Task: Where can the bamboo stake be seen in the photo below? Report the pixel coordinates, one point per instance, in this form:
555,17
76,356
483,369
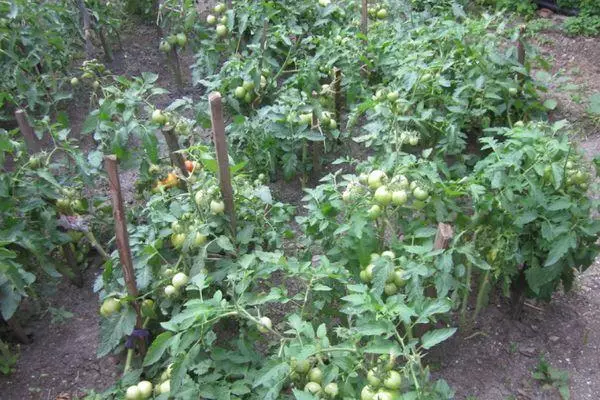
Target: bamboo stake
364,18
32,142
337,89
89,48
176,157
316,152
216,109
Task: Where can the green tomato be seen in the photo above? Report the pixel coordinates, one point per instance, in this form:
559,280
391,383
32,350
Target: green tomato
512,91
316,375
332,124
382,13
376,178
302,366
223,20
217,207
390,289
399,279
164,46
132,393
413,140
170,291
181,39
383,395
199,239
331,389
312,387
263,82
373,378
369,271
367,393
248,86
420,194
110,306
145,389
265,324
389,254
393,96
399,197
172,40
179,280
147,308
219,8
305,119
96,85
248,98
364,276
74,82
374,212
239,92
177,240
211,19
221,30
165,387
158,117
393,380
383,196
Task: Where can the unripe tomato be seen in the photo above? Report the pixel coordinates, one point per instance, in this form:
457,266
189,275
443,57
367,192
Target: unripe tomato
420,194
96,85
263,82
413,140
389,254
393,96
374,212
217,207
165,387
302,366
512,91
312,387
265,325
248,86
239,92
399,197
179,280
399,279
181,39
147,308
383,196
367,393
373,378
164,46
248,98
211,19
363,178
383,395
331,389
376,178
324,3
219,8
221,30
199,197
145,389
170,291
110,306
132,393
382,13
177,240
332,124
315,375
199,239
393,380
390,289
158,117
74,82
305,119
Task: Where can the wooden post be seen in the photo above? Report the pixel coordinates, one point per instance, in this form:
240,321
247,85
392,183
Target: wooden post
176,157
85,17
364,18
216,111
337,90
521,46
443,236
105,45
112,169
176,66
316,152
32,142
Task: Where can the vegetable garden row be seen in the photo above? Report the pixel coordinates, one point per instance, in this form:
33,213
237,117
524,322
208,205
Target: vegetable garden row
438,179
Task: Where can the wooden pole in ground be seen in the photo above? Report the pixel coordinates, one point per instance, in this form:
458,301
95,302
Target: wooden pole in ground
364,18
216,111
85,17
176,157
176,66
112,169
317,147
521,46
337,90
32,142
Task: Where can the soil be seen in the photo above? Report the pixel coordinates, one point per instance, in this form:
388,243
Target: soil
491,360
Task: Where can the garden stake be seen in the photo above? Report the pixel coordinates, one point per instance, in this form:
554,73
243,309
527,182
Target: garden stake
364,18
176,157
317,150
337,90
216,114
33,144
112,169
521,46
85,17
176,66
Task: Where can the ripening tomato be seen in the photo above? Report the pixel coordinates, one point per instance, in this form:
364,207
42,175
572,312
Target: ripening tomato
217,207
312,387
221,30
265,324
190,166
211,19
179,280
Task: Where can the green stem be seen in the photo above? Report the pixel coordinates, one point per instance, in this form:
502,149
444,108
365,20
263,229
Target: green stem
465,300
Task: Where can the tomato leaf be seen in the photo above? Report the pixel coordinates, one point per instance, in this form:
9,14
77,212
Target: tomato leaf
436,336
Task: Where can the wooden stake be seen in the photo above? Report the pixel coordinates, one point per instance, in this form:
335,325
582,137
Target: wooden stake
216,110
316,151
32,142
105,45
521,46
176,66
364,18
85,17
176,157
112,169
337,89
443,236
